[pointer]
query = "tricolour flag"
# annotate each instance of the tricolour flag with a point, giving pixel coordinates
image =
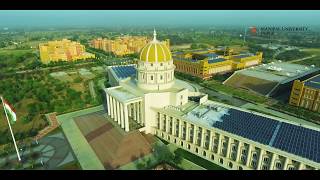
(10, 112)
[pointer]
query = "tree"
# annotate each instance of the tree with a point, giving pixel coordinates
(162, 153)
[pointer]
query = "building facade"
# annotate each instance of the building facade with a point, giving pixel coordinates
(213, 63)
(306, 93)
(64, 50)
(147, 97)
(123, 45)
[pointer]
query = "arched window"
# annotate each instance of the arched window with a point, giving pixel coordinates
(161, 77)
(221, 161)
(204, 153)
(230, 164)
(151, 77)
(212, 157)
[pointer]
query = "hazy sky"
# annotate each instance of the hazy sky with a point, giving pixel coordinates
(155, 18)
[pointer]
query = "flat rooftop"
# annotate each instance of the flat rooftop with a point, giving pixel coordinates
(122, 94)
(295, 139)
(313, 82)
(243, 55)
(279, 71)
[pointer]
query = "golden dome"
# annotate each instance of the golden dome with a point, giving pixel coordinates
(155, 51)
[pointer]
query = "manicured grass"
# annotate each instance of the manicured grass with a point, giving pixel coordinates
(198, 160)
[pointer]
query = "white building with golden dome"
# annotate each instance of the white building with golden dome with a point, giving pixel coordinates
(147, 97)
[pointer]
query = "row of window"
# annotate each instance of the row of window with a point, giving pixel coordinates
(243, 159)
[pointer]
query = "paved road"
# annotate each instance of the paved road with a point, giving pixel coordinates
(92, 91)
(224, 97)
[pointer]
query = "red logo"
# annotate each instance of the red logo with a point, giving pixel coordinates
(253, 30)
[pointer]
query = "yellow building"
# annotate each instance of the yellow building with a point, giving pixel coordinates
(306, 93)
(64, 50)
(212, 63)
(123, 45)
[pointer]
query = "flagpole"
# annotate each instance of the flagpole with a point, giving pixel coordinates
(14, 141)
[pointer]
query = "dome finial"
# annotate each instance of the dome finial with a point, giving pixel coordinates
(154, 35)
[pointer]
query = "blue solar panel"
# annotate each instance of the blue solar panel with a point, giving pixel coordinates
(248, 125)
(211, 55)
(314, 82)
(216, 60)
(242, 56)
(124, 71)
(299, 141)
(294, 139)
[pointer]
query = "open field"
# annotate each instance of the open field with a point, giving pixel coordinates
(311, 61)
(34, 94)
(15, 58)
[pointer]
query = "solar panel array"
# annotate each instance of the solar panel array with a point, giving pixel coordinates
(314, 82)
(291, 138)
(248, 125)
(216, 60)
(124, 71)
(299, 140)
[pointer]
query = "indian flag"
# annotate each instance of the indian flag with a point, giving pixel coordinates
(10, 112)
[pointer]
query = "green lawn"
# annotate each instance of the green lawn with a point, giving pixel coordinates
(198, 160)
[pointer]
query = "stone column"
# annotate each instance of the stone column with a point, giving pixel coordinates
(219, 144)
(203, 138)
(211, 140)
(187, 132)
(195, 134)
(301, 166)
(285, 164)
(173, 127)
(239, 151)
(118, 113)
(249, 156)
(111, 106)
(134, 111)
(108, 103)
(138, 112)
(259, 163)
(160, 122)
(126, 118)
(180, 129)
(273, 159)
(114, 109)
(167, 124)
(228, 148)
(122, 115)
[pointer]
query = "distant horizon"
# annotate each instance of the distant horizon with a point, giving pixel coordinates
(155, 18)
